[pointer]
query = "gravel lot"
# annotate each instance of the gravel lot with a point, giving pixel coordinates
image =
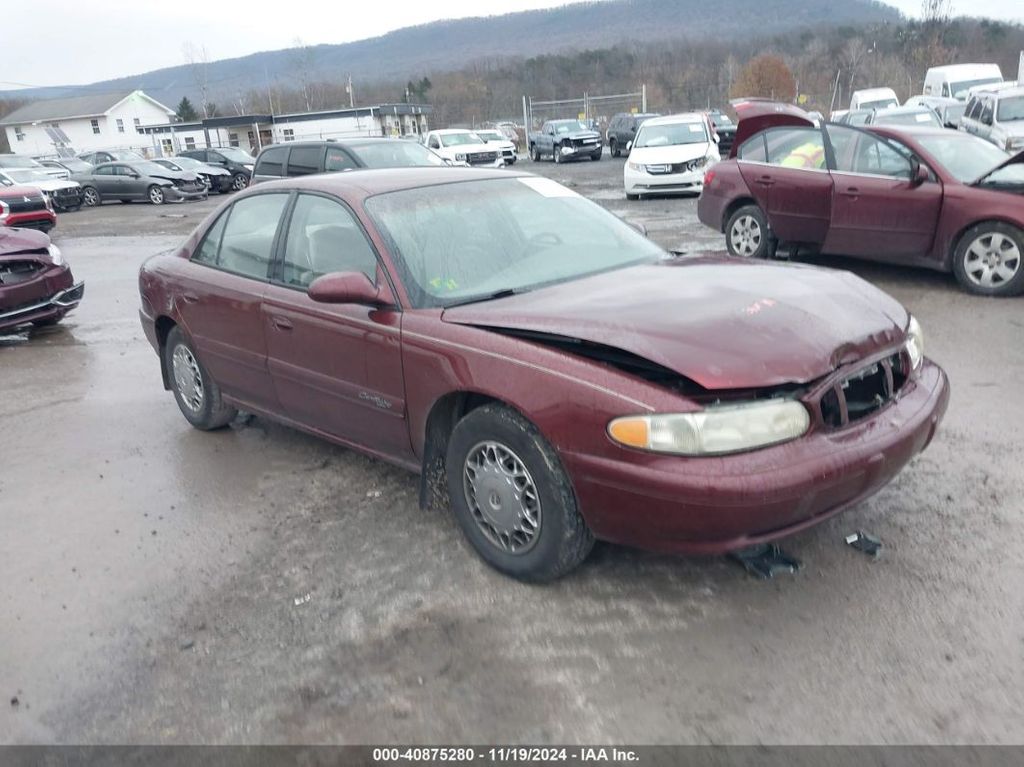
(163, 585)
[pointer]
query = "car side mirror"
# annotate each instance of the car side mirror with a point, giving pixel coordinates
(349, 288)
(919, 173)
(629, 146)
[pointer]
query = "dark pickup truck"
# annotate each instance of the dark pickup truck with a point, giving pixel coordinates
(565, 140)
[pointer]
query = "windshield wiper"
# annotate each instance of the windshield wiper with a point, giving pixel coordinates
(503, 293)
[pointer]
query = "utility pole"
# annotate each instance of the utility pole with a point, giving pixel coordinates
(351, 93)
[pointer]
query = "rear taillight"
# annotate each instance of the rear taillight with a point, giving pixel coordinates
(709, 176)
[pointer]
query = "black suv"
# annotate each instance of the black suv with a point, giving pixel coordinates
(302, 158)
(237, 161)
(622, 129)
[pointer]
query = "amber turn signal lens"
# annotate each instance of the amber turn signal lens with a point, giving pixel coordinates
(629, 431)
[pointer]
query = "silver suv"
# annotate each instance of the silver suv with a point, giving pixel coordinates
(998, 116)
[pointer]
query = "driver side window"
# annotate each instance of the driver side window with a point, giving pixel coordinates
(434, 143)
(324, 237)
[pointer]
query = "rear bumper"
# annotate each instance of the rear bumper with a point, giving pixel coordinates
(714, 505)
(55, 305)
(43, 220)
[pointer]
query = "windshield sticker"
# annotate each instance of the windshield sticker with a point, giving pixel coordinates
(923, 118)
(547, 187)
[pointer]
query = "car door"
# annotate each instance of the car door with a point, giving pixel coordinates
(878, 212)
(336, 368)
(986, 118)
(789, 177)
(107, 181)
(131, 185)
(221, 296)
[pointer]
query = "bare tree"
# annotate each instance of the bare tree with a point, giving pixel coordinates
(936, 11)
(303, 61)
(854, 53)
(199, 63)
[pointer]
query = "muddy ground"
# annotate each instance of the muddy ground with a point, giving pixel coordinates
(163, 585)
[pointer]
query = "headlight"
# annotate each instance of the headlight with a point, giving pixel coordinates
(915, 343)
(715, 431)
(460, 157)
(55, 255)
(637, 167)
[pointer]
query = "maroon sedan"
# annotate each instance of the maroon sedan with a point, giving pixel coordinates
(925, 197)
(553, 375)
(36, 286)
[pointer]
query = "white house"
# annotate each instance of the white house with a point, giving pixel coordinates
(97, 121)
(253, 132)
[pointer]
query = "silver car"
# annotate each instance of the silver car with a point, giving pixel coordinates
(141, 180)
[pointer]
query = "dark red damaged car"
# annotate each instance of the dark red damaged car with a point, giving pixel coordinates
(553, 376)
(36, 285)
(927, 197)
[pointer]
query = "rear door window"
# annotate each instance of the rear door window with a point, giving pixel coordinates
(753, 150)
(271, 162)
(802, 148)
(304, 160)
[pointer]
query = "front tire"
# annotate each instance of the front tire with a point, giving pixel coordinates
(156, 195)
(747, 234)
(534, 153)
(90, 197)
(557, 154)
(987, 260)
(239, 182)
(196, 393)
(512, 498)
(613, 147)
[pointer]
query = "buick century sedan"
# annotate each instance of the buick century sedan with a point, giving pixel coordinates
(552, 375)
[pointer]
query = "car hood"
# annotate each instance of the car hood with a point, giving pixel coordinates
(214, 170)
(55, 184)
(655, 155)
(174, 175)
(19, 241)
(721, 322)
(1017, 159)
(756, 115)
(578, 135)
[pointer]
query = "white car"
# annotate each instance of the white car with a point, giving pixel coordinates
(874, 98)
(499, 140)
(62, 193)
(463, 147)
(670, 154)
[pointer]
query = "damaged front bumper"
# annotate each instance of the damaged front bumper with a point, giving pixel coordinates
(56, 305)
(718, 504)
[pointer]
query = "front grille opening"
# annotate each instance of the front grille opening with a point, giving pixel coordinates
(865, 391)
(831, 409)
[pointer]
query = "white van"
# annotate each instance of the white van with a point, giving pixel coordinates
(957, 80)
(874, 98)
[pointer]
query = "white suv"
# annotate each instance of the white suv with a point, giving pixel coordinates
(998, 116)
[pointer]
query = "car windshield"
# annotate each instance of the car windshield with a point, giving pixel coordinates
(923, 117)
(75, 165)
(467, 241)
(966, 157)
(189, 163)
(396, 154)
(954, 112)
(149, 168)
(29, 175)
(458, 139)
(169, 164)
(1011, 109)
(570, 126)
(490, 135)
(236, 154)
(879, 104)
(960, 90)
(720, 119)
(670, 134)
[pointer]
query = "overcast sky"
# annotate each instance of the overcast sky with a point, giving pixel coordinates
(82, 42)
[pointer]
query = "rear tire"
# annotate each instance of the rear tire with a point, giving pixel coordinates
(240, 182)
(747, 234)
(987, 260)
(512, 498)
(613, 147)
(196, 393)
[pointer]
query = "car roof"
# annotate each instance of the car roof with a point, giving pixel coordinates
(368, 182)
(447, 131)
(881, 91)
(681, 117)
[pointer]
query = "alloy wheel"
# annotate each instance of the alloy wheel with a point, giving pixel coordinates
(90, 197)
(188, 379)
(240, 182)
(156, 195)
(992, 260)
(745, 236)
(502, 497)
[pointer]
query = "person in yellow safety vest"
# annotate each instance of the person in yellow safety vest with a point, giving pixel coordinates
(809, 155)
